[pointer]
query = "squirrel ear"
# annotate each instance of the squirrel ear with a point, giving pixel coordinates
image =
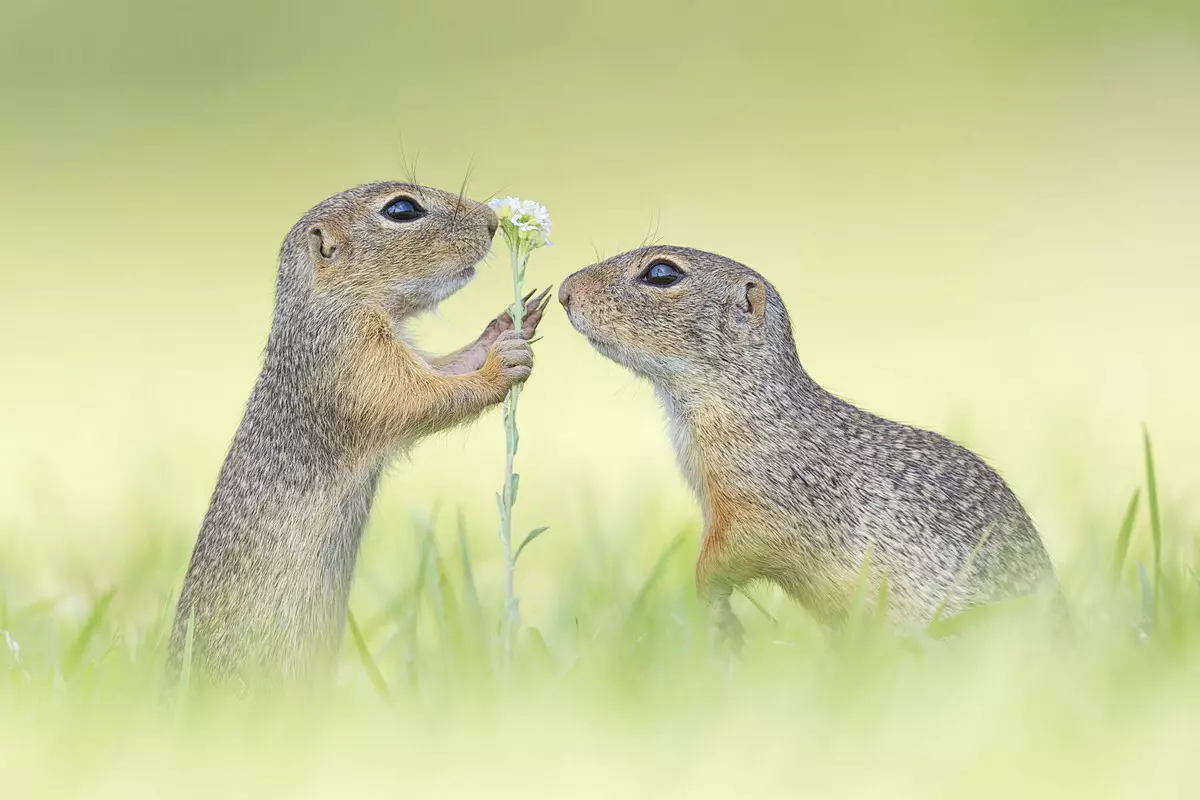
(752, 299)
(322, 244)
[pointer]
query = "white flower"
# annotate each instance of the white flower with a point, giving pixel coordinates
(524, 222)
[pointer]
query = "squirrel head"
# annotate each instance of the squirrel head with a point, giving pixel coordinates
(402, 246)
(678, 315)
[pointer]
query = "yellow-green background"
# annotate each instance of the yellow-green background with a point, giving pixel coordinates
(983, 218)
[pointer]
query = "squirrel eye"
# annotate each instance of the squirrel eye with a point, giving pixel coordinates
(403, 210)
(660, 273)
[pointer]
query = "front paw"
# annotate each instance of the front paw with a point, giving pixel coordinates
(509, 361)
(535, 307)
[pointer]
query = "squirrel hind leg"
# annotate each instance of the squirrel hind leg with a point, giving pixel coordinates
(728, 628)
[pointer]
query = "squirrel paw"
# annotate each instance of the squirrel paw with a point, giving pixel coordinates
(730, 633)
(511, 357)
(535, 307)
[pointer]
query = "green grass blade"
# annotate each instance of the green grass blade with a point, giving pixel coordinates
(941, 609)
(1123, 535)
(1155, 522)
(364, 654)
(436, 585)
(74, 655)
(762, 610)
(656, 572)
(881, 601)
(533, 534)
(185, 669)
(470, 590)
(862, 585)
(1147, 622)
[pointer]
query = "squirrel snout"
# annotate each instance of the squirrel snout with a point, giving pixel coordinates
(564, 293)
(493, 224)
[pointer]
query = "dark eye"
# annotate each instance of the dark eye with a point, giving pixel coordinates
(660, 273)
(403, 210)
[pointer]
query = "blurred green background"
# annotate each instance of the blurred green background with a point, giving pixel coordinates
(982, 215)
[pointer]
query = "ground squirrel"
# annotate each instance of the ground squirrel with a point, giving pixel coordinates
(797, 485)
(341, 391)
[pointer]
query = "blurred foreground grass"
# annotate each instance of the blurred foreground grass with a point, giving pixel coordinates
(617, 691)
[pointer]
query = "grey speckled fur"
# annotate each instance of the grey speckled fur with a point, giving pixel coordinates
(797, 484)
(341, 392)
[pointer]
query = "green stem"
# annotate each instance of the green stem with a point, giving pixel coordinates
(512, 618)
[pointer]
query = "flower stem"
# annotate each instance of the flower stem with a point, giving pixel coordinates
(508, 498)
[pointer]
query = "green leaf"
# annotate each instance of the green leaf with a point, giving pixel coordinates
(468, 574)
(1124, 534)
(656, 571)
(533, 534)
(975, 616)
(1155, 523)
(364, 655)
(881, 602)
(762, 610)
(74, 655)
(941, 609)
(185, 672)
(1147, 600)
(858, 601)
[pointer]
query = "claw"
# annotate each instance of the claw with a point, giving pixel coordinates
(541, 298)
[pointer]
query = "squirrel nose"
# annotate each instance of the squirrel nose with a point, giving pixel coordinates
(564, 294)
(493, 224)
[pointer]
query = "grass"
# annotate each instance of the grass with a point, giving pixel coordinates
(615, 688)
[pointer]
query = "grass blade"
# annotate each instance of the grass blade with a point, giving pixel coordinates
(469, 588)
(655, 572)
(1155, 523)
(1123, 535)
(881, 601)
(1147, 622)
(762, 609)
(74, 654)
(185, 670)
(533, 534)
(364, 654)
(858, 602)
(941, 609)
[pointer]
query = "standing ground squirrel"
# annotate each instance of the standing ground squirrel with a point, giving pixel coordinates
(341, 391)
(797, 485)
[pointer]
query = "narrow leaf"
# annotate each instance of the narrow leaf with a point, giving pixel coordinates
(469, 588)
(185, 672)
(369, 664)
(1147, 600)
(881, 602)
(74, 655)
(1155, 523)
(1123, 535)
(941, 609)
(659, 566)
(762, 610)
(533, 534)
(858, 601)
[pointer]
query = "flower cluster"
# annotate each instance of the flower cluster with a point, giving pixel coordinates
(524, 222)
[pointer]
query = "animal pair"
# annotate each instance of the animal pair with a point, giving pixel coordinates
(797, 486)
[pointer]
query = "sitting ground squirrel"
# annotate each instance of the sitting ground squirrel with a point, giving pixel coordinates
(797, 485)
(340, 393)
